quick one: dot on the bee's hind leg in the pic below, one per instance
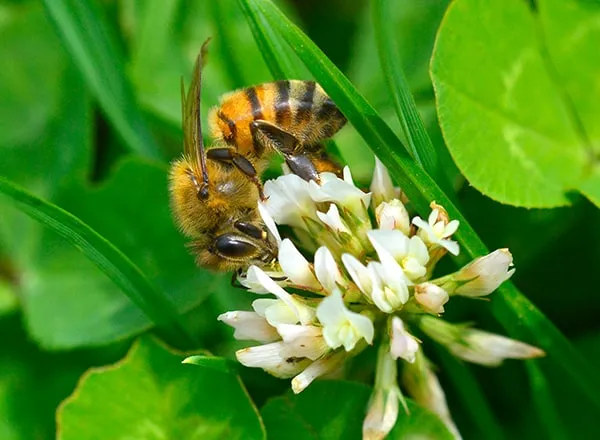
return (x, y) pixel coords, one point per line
(269, 136)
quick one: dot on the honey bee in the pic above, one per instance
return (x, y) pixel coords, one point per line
(215, 190)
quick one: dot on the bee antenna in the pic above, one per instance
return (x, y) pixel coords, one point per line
(200, 141)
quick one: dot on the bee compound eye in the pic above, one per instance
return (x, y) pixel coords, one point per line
(230, 246)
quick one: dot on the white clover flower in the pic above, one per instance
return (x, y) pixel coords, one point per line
(253, 284)
(269, 221)
(342, 192)
(490, 349)
(436, 232)
(361, 276)
(249, 326)
(389, 287)
(381, 414)
(288, 201)
(328, 273)
(383, 284)
(333, 220)
(382, 187)
(342, 326)
(271, 358)
(482, 276)
(431, 297)
(385, 272)
(393, 215)
(303, 340)
(403, 344)
(286, 309)
(410, 253)
(317, 369)
(477, 346)
(296, 267)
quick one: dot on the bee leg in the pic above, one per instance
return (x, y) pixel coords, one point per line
(270, 136)
(303, 167)
(251, 230)
(231, 156)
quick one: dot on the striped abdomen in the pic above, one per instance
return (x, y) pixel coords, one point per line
(299, 107)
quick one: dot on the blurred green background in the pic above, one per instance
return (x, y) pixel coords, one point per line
(60, 137)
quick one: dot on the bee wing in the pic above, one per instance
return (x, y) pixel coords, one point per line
(193, 143)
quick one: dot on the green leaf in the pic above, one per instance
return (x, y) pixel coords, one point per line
(8, 297)
(144, 232)
(330, 410)
(150, 394)
(93, 47)
(516, 313)
(33, 382)
(214, 362)
(571, 33)
(500, 101)
(101, 252)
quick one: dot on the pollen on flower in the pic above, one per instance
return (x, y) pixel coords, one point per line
(356, 270)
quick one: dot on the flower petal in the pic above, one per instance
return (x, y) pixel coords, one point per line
(342, 326)
(403, 344)
(431, 297)
(485, 274)
(269, 358)
(359, 273)
(288, 200)
(296, 267)
(303, 340)
(303, 313)
(333, 220)
(336, 190)
(382, 187)
(269, 222)
(327, 271)
(393, 215)
(249, 326)
(317, 369)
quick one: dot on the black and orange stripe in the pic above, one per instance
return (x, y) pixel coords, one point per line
(299, 107)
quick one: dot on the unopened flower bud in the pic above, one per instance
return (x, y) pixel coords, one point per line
(317, 369)
(382, 187)
(484, 275)
(477, 346)
(425, 388)
(431, 297)
(402, 343)
(393, 215)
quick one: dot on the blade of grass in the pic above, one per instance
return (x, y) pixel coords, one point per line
(420, 146)
(548, 414)
(275, 51)
(510, 307)
(93, 47)
(109, 259)
(470, 394)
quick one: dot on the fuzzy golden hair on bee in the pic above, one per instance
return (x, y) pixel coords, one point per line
(215, 190)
